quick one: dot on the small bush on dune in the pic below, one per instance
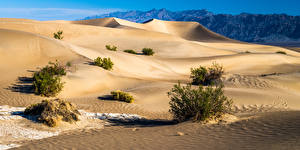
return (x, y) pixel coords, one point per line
(47, 81)
(51, 112)
(198, 104)
(69, 64)
(148, 51)
(54, 69)
(122, 96)
(58, 35)
(130, 51)
(46, 85)
(207, 75)
(111, 47)
(105, 63)
(281, 52)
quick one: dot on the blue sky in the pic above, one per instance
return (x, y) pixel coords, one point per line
(75, 9)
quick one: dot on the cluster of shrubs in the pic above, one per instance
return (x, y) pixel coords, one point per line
(130, 51)
(105, 63)
(47, 81)
(51, 112)
(122, 96)
(207, 75)
(146, 51)
(200, 103)
(111, 47)
(58, 35)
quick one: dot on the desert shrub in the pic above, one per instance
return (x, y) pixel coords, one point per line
(198, 104)
(54, 69)
(122, 96)
(111, 47)
(47, 81)
(207, 75)
(281, 52)
(46, 84)
(50, 112)
(69, 64)
(58, 35)
(247, 52)
(148, 51)
(130, 51)
(105, 63)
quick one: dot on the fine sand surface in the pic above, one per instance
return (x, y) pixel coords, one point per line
(264, 85)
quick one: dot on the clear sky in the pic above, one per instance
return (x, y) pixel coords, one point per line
(75, 9)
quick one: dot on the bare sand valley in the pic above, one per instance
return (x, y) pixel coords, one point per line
(264, 85)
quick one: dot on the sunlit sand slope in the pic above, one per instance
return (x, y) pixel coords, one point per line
(258, 79)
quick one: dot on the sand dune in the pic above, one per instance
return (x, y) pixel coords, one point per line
(187, 30)
(259, 82)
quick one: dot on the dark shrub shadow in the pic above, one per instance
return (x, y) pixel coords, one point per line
(89, 63)
(23, 85)
(28, 117)
(142, 122)
(106, 97)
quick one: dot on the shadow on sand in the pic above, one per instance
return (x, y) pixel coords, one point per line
(23, 85)
(142, 123)
(28, 117)
(106, 98)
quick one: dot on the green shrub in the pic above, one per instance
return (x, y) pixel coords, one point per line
(148, 51)
(54, 69)
(281, 52)
(58, 35)
(207, 76)
(105, 63)
(198, 104)
(111, 48)
(47, 81)
(50, 112)
(130, 51)
(122, 96)
(69, 64)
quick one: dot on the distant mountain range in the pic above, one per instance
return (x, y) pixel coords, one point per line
(271, 28)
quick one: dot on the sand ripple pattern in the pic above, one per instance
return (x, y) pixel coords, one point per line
(248, 81)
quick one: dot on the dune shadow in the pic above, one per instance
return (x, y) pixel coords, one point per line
(142, 122)
(23, 85)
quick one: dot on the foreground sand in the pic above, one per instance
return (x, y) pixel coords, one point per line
(266, 104)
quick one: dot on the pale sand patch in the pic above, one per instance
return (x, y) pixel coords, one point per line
(8, 146)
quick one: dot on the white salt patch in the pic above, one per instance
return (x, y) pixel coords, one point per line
(16, 131)
(111, 116)
(9, 146)
(10, 113)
